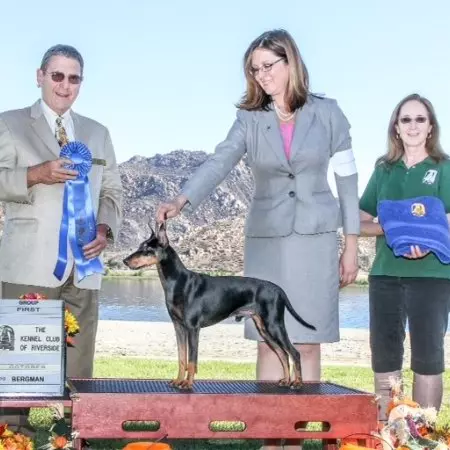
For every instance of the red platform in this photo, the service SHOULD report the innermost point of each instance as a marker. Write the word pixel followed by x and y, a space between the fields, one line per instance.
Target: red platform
pixel 101 409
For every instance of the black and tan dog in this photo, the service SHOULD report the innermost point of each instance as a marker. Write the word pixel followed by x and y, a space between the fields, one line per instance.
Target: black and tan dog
pixel 197 300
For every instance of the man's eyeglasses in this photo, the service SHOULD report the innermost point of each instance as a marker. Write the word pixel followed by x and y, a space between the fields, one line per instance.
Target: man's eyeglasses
pixel 418 119
pixel 264 68
pixel 58 77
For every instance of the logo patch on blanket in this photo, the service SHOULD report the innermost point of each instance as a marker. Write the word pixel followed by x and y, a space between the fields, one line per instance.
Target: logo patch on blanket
pixel 418 209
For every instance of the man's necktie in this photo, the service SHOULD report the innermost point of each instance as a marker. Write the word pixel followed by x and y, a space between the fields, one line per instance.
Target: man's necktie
pixel 61 134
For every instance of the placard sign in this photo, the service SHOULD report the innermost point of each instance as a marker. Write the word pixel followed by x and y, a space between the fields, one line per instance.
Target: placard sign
pixel 32 348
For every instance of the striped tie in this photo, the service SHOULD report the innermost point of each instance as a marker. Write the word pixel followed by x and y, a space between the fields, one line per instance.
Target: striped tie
pixel 61 134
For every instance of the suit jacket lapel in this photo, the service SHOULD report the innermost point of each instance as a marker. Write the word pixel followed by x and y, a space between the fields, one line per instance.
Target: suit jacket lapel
pixel 42 130
pixel 81 130
pixel 271 131
pixel 303 121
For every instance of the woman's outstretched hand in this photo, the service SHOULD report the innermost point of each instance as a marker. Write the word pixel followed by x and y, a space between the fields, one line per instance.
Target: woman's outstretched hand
pixel 171 209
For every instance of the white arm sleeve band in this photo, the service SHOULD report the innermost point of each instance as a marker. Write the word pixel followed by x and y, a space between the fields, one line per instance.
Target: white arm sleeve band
pixel 343 163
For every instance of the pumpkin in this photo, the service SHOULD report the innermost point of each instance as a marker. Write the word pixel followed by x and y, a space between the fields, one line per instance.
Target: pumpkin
pixel 147 446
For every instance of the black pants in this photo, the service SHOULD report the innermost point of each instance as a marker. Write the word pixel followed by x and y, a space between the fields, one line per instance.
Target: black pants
pixel 424 303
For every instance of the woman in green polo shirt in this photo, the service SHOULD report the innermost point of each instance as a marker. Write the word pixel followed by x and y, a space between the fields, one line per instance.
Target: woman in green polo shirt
pixel 415 287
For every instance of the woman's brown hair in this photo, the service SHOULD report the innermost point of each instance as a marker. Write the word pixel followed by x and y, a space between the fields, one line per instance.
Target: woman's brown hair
pixel 395 145
pixel 281 43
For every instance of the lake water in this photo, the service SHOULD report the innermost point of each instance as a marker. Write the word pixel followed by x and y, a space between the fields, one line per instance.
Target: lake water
pixel 143 300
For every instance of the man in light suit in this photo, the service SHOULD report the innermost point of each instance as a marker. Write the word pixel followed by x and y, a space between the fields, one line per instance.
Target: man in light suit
pixel 32 177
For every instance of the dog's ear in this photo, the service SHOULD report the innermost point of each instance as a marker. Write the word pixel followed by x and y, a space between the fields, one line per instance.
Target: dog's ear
pixel 152 235
pixel 162 235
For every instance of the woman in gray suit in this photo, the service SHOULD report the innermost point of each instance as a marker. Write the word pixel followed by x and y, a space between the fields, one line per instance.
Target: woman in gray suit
pixel 290 137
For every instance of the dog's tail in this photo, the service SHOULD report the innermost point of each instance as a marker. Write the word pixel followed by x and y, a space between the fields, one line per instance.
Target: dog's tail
pixel 294 313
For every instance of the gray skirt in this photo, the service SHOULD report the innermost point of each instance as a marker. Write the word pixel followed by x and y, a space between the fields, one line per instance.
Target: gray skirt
pixel 307 268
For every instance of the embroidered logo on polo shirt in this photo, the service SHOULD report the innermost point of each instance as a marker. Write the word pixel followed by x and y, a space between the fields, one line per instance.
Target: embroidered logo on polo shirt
pixel 418 209
pixel 429 177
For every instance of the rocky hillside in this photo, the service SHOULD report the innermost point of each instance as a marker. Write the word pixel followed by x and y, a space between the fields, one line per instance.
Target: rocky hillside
pixel 149 181
pixel 210 239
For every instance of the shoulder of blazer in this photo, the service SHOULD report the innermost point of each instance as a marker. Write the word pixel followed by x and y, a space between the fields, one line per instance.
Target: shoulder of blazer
pixel 320 101
pixel 250 117
pixel 88 122
pixel 14 114
pixel 244 115
pixel 324 107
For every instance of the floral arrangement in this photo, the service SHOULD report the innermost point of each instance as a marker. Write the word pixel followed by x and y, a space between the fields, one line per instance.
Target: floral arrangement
pixel 60 433
pixel 14 441
pixel 409 426
pixel 70 322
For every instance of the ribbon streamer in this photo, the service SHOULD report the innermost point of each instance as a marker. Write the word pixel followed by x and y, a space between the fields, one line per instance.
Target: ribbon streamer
pixel 78 223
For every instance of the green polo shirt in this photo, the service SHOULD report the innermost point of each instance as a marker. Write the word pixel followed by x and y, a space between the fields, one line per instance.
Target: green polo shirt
pixel 397 182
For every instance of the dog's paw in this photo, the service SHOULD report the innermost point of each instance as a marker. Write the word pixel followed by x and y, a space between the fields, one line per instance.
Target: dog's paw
pixel 283 382
pixel 176 382
pixel 296 384
pixel 181 384
pixel 186 385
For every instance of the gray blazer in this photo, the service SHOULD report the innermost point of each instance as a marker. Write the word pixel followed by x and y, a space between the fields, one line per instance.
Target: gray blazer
pixel 290 195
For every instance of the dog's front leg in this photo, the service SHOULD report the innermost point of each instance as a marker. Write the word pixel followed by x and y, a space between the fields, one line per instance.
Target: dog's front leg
pixel 181 335
pixel 193 339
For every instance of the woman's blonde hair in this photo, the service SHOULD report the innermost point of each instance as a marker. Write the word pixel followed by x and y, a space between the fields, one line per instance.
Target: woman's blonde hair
pixel 281 43
pixel 395 144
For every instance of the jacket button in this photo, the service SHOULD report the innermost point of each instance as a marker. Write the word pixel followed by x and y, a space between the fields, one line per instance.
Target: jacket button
pixel 292 194
pixel 291 176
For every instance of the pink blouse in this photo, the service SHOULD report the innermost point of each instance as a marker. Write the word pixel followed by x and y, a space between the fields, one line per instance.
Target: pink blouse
pixel 287 131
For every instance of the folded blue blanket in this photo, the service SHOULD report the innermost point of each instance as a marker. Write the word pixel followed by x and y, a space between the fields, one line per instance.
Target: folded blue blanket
pixel 417 221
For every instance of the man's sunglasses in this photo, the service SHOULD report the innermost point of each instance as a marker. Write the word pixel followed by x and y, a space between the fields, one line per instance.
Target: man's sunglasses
pixel 57 77
pixel 407 120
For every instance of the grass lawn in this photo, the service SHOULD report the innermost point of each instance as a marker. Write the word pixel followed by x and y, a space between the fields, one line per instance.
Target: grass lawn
pixel 356 377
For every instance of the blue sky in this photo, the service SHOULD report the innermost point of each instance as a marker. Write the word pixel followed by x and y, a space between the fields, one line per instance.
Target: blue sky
pixel 165 75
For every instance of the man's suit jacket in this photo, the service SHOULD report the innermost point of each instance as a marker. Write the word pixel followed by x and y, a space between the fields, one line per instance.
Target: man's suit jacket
pixel 30 243
pixel 290 195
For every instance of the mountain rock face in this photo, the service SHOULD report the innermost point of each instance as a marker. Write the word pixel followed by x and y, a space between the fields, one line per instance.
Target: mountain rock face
pixel 211 239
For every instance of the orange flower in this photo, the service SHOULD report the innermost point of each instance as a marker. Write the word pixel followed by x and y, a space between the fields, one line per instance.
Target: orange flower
pixel 59 442
pixel 423 430
pixel 11 444
pixel 406 401
pixel 16 442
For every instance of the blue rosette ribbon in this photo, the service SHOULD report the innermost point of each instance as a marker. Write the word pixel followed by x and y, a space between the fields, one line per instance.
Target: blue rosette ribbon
pixel 78 224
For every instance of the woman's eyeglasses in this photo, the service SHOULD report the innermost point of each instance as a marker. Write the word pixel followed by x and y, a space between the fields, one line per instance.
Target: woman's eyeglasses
pixel 58 77
pixel 267 67
pixel 406 120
